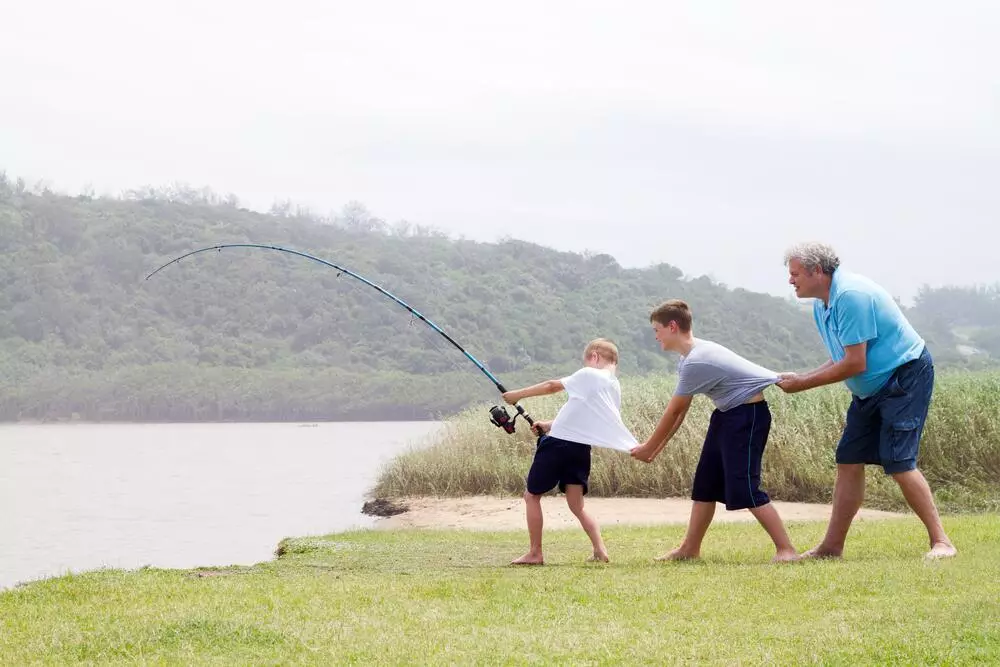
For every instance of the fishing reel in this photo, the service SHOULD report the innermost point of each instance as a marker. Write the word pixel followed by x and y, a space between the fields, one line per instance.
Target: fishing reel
pixel 501 419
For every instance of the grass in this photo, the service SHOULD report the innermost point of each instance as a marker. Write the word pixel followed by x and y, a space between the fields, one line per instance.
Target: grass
pixel 960 450
pixel 405 597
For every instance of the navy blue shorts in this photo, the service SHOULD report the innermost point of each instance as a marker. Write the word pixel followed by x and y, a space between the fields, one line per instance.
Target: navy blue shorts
pixel 558 462
pixel 885 428
pixel 729 468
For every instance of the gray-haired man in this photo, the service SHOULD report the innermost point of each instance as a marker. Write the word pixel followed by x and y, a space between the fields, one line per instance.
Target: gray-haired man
pixel 884 362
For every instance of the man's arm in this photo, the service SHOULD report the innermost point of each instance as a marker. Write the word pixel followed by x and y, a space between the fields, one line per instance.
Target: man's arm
pixel 854 362
pixel 540 389
pixel 671 420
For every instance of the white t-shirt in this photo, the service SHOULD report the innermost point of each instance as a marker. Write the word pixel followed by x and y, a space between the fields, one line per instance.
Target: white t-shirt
pixel 592 415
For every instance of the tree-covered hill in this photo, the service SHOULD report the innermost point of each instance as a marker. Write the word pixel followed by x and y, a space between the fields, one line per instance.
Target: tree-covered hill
pixel 253 334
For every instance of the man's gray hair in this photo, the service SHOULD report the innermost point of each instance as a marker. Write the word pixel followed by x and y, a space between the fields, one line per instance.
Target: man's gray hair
pixel 813 255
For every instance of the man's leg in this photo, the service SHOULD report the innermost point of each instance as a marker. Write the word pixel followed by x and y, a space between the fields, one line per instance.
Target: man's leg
pixel 920 499
pixel 533 513
pixel 848 494
pixel 574 498
pixel 701 517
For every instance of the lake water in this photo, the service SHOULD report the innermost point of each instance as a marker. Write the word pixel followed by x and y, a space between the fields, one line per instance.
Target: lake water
pixel 84 496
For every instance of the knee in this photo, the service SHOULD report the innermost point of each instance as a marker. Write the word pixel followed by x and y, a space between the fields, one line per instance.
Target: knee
pixel 532 498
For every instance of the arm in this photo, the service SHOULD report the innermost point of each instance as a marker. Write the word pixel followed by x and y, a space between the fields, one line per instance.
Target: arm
pixel 540 389
pixel 854 362
pixel 665 429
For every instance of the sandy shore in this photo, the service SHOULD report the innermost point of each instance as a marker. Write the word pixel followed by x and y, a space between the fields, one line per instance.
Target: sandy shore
pixel 490 513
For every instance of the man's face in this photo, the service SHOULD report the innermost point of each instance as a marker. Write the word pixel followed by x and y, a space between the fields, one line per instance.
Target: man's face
pixel 807 284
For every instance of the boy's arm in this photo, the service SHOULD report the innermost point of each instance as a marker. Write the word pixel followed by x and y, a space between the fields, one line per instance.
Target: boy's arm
pixel 540 389
pixel 671 420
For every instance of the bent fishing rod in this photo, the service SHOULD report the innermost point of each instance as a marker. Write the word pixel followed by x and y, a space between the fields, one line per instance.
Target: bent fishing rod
pixel 498 414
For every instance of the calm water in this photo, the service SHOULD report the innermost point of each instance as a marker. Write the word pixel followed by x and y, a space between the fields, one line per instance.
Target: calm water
pixel 79 497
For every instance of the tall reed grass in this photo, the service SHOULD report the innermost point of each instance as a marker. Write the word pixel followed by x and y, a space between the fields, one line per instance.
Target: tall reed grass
pixel 959 454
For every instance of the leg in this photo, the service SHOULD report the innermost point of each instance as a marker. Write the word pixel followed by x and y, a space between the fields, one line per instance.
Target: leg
pixel 574 498
pixel 918 496
pixel 904 413
pixel 771 521
pixel 533 513
pixel 701 517
pixel 848 494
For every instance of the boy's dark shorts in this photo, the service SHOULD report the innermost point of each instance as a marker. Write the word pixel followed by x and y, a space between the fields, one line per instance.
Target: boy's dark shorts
pixel 729 468
pixel 558 462
pixel 885 428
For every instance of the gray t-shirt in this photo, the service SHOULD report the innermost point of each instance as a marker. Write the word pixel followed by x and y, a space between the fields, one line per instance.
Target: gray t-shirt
pixel 721 374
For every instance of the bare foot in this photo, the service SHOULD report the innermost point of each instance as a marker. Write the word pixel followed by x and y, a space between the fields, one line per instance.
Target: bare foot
pixel 942 550
pixel 529 559
pixel 820 553
pixel 680 553
pixel 599 557
pixel 786 556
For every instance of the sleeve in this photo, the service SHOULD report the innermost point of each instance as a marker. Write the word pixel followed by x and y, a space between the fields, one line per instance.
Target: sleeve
pixel 855 318
pixel 694 378
pixel 578 383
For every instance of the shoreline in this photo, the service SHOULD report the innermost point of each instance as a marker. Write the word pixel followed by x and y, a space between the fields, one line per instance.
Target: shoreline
pixel 492 513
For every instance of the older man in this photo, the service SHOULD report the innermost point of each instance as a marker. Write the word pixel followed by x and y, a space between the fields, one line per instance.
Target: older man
pixel 884 362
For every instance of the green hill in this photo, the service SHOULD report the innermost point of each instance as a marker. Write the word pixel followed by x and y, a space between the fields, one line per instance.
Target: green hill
pixel 259 335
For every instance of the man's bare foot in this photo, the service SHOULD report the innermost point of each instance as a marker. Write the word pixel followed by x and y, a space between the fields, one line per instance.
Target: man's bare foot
pixel 599 557
pixel 786 556
pixel 529 559
pixel 942 550
pixel 820 553
pixel 680 553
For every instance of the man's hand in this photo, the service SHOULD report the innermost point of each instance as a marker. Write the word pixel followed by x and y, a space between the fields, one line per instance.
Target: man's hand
pixel 643 452
pixel 511 397
pixel 790 383
pixel 541 428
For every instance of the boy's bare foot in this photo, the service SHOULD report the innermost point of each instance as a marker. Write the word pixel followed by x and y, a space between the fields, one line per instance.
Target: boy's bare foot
pixel 820 553
pixel 680 553
pixel 786 556
pixel 942 550
pixel 529 559
pixel 599 557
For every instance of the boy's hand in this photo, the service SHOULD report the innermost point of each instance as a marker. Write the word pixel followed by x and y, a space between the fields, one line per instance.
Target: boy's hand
pixel 511 397
pixel 541 428
pixel 643 452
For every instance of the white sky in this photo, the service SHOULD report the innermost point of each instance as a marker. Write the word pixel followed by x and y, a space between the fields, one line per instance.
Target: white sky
pixel 705 134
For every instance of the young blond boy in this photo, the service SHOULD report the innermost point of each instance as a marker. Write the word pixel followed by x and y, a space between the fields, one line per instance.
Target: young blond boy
pixel 591 416
pixel 729 468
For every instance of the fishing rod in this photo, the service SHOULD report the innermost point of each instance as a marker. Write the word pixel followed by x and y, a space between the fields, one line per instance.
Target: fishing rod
pixel 498 414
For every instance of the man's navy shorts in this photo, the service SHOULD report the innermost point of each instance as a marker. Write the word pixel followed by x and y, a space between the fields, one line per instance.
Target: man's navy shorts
pixel 729 468
pixel 558 462
pixel 885 428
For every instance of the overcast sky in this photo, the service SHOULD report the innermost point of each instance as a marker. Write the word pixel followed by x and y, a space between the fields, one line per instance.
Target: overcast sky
pixel 704 134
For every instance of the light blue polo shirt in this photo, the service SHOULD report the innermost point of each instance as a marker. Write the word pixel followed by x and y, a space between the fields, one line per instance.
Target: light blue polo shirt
pixel 860 310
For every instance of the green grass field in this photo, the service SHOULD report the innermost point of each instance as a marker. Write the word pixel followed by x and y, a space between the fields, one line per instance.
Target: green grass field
pixel 407 597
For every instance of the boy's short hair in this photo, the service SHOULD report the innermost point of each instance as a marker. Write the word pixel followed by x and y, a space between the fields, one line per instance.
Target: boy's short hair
pixel 673 310
pixel 604 347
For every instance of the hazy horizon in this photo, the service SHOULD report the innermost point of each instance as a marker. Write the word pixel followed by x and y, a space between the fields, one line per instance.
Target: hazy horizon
pixel 705 138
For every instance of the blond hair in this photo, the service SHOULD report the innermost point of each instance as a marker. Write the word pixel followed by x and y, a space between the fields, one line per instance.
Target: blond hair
pixel 604 348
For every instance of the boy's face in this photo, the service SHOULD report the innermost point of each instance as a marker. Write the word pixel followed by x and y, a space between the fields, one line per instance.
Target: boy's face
pixel 666 334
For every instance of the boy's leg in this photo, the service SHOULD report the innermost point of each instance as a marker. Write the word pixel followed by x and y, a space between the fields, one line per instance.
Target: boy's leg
pixel 747 433
pixel 701 517
pixel 706 489
pixel 533 513
pixel 574 498
pixel 542 476
pixel 769 519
